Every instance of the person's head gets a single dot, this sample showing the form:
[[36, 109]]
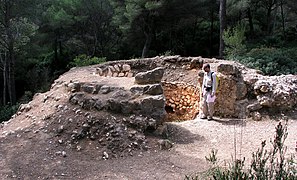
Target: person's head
[[206, 67]]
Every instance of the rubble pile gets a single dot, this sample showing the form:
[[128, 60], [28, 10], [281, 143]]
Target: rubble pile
[[113, 136]]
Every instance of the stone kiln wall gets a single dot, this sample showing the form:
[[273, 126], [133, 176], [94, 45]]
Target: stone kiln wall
[[182, 100], [231, 96]]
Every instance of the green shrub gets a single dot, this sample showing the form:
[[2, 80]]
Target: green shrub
[[7, 111], [271, 61], [84, 60], [265, 165], [167, 53], [234, 40]]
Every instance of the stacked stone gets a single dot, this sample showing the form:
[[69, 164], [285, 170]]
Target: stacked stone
[[149, 83], [182, 99], [117, 70], [144, 98]]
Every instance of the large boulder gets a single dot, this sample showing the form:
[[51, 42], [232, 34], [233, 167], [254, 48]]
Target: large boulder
[[226, 97], [277, 91], [150, 77], [228, 69], [153, 106]]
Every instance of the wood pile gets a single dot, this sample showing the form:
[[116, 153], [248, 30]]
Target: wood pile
[[182, 100]]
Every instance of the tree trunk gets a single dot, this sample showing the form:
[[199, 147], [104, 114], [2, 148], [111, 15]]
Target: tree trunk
[[11, 84], [56, 49], [268, 21], [11, 71], [283, 18], [4, 86], [4, 62], [147, 44], [251, 24], [10, 78], [268, 28], [212, 16], [222, 15], [60, 47], [95, 43]]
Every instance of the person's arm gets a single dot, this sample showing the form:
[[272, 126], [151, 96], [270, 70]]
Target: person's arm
[[214, 84]]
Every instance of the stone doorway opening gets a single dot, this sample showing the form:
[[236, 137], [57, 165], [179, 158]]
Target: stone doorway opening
[[182, 101]]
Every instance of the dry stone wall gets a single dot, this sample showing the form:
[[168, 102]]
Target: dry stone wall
[[144, 98], [182, 100], [116, 70], [242, 93]]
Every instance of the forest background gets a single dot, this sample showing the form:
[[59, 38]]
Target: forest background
[[40, 40]]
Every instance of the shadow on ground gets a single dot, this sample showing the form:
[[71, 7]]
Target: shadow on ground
[[228, 122], [181, 135]]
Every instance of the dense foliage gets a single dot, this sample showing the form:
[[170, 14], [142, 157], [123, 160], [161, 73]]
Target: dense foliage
[[42, 39], [271, 61], [7, 111], [84, 60]]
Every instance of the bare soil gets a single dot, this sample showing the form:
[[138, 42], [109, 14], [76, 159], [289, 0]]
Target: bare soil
[[29, 148]]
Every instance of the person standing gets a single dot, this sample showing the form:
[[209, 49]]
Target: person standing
[[208, 93]]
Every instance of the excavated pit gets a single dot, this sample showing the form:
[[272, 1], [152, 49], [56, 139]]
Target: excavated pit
[[182, 101]]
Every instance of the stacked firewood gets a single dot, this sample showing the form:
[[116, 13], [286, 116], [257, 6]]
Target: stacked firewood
[[182, 100]]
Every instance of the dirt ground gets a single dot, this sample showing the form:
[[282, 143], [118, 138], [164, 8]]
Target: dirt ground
[[33, 156], [28, 151]]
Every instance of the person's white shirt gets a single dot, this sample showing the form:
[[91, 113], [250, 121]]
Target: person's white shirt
[[208, 82]]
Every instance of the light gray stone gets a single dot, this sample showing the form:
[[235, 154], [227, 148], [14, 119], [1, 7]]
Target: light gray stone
[[139, 89], [265, 100], [76, 98], [241, 90], [262, 87], [88, 88], [104, 89], [165, 144], [228, 69], [100, 104], [150, 77], [154, 89], [73, 87], [241, 108], [256, 116], [154, 106], [254, 107]]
